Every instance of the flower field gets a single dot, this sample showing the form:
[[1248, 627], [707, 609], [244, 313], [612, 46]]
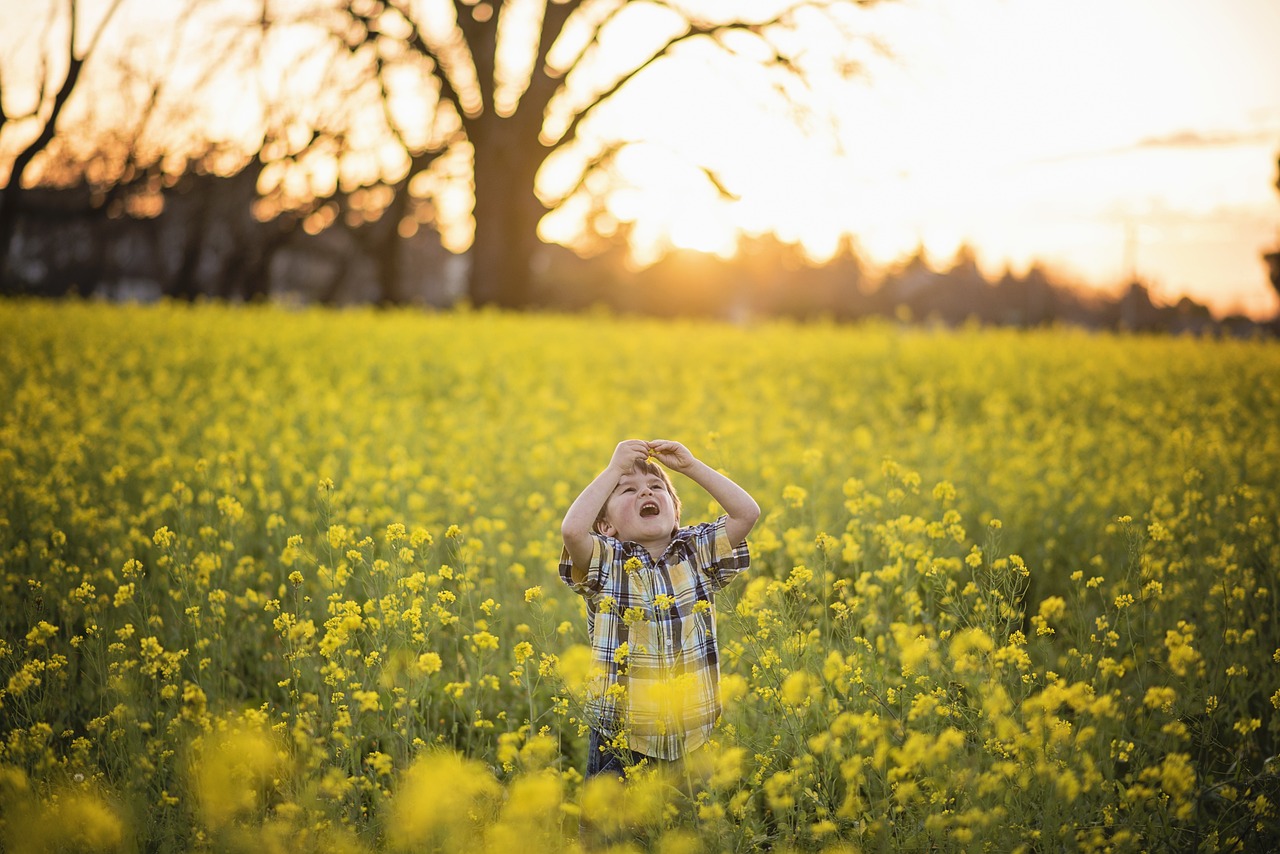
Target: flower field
[[279, 580]]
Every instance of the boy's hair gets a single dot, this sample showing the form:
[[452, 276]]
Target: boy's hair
[[657, 471]]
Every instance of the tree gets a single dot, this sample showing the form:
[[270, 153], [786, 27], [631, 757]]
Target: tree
[[1273, 258], [509, 82], [51, 99]]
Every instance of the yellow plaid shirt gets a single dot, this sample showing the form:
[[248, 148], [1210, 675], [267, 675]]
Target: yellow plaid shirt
[[652, 626]]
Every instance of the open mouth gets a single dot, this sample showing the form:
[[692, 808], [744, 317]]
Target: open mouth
[[649, 508]]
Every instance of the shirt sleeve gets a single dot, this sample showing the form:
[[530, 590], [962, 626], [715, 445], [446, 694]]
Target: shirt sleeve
[[602, 552], [719, 560]]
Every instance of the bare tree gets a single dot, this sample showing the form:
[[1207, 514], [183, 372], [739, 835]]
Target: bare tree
[[1273, 258], [508, 82], [50, 102]]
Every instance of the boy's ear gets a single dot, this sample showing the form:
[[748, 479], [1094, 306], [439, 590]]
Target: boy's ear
[[603, 527]]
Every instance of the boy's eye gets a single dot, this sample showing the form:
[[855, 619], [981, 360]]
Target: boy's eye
[[628, 489]]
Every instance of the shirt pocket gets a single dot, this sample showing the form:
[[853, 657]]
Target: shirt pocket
[[697, 638]]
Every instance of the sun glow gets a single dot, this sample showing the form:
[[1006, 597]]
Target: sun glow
[[1071, 134], [1077, 133]]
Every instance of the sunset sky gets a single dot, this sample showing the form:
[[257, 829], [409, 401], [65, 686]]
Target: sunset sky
[[1102, 138]]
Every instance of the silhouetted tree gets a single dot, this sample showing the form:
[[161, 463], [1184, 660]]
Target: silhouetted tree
[[1273, 258], [50, 102], [508, 83]]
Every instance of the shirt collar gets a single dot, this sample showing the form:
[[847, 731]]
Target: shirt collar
[[682, 535]]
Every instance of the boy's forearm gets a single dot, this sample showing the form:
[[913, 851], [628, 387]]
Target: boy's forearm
[[580, 518], [581, 515], [736, 501]]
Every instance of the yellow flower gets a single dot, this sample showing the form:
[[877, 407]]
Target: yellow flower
[[229, 507], [379, 763], [1244, 726], [1182, 655], [796, 688], [1053, 607], [795, 495], [367, 701], [438, 794], [25, 679], [41, 633], [338, 535], [234, 772], [1158, 697], [733, 687]]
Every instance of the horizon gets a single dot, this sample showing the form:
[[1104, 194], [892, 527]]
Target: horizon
[[1072, 136]]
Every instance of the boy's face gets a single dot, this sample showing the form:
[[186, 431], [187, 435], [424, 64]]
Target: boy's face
[[640, 509]]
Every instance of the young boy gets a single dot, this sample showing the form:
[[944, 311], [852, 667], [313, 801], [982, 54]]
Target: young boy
[[650, 590]]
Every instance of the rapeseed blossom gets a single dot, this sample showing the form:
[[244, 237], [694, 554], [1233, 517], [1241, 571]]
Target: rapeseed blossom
[[297, 604]]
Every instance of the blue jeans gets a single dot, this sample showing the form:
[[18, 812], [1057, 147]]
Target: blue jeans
[[610, 760]]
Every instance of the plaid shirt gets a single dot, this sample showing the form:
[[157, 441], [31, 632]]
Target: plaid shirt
[[653, 636]]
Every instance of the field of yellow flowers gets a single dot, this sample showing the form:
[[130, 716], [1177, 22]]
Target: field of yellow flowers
[[280, 580]]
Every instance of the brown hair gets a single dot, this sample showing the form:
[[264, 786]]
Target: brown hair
[[654, 470]]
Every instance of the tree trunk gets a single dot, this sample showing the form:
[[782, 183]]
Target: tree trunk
[[386, 247], [8, 226], [183, 285], [506, 214]]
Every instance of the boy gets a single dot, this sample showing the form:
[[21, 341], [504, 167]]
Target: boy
[[649, 587]]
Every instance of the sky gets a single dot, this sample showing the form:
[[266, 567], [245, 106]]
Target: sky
[[1104, 139]]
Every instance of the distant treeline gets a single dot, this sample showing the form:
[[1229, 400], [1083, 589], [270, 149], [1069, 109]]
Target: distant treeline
[[198, 237]]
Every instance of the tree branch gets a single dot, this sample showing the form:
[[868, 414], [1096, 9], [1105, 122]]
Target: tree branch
[[543, 82], [695, 29], [4, 117], [610, 151], [594, 41], [554, 18], [420, 159], [74, 65], [418, 42]]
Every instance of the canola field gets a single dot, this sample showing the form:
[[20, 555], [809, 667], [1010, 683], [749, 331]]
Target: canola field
[[277, 580]]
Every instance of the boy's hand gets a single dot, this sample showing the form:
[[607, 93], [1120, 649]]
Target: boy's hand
[[673, 455], [627, 454]]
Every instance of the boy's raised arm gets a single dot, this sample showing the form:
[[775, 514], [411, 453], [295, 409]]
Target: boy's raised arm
[[581, 515], [738, 505]]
